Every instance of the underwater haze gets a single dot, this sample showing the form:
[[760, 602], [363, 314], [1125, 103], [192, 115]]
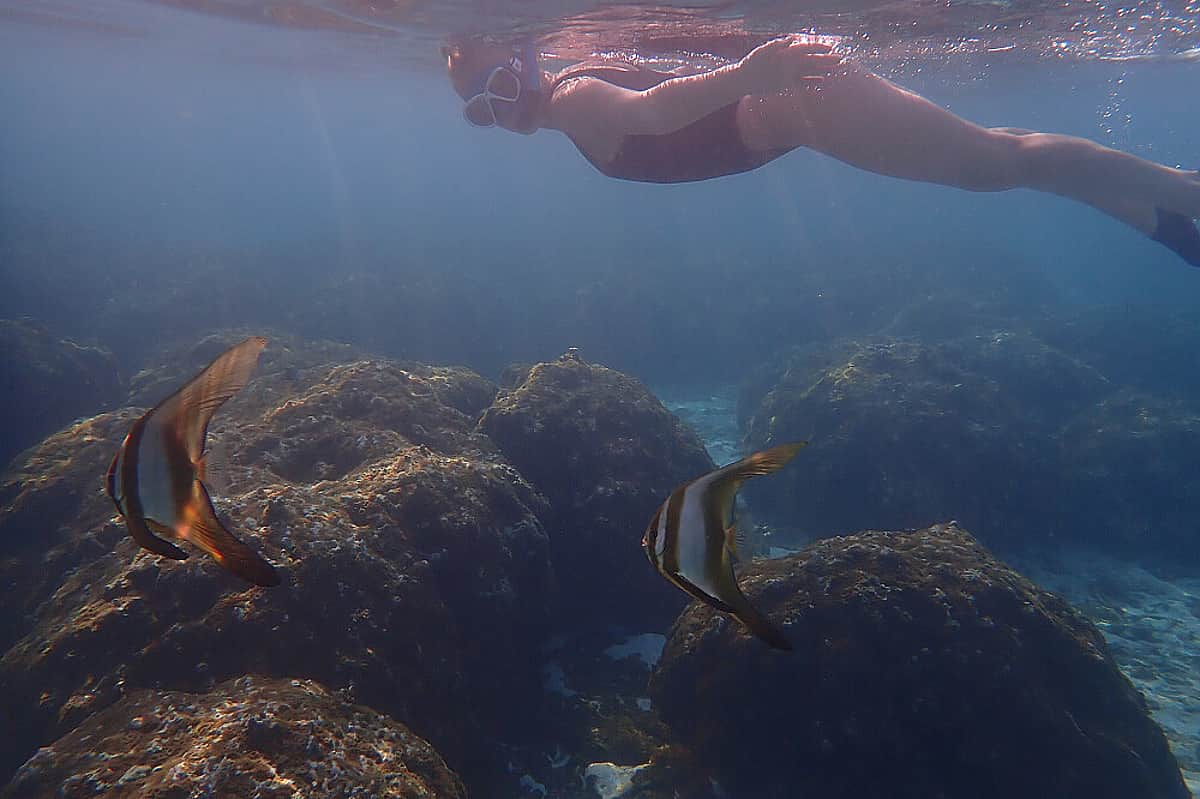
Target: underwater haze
[[145, 142], [488, 364]]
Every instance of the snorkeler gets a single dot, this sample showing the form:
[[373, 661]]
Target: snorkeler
[[634, 123], [156, 477]]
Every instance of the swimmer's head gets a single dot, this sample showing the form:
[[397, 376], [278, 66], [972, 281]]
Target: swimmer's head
[[501, 84]]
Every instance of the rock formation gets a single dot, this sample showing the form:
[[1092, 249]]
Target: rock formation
[[45, 382], [605, 453], [250, 737], [923, 667]]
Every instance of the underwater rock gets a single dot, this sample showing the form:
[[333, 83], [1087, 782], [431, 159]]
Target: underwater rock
[[513, 375], [923, 667], [55, 517], [46, 382], [1131, 477], [415, 563], [1139, 347], [250, 737], [605, 453], [365, 411], [902, 434], [175, 363]]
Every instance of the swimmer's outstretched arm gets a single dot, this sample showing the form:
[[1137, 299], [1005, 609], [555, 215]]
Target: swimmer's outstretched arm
[[589, 106]]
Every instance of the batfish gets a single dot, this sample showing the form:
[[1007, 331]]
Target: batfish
[[156, 479], [692, 539]]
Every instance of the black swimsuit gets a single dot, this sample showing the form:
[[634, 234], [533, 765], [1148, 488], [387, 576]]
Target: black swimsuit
[[710, 147]]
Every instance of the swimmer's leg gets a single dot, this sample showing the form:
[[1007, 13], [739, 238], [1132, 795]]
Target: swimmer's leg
[[869, 122]]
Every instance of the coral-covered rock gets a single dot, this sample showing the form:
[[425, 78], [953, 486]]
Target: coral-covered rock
[[364, 412], [1132, 481], [923, 668], [297, 362], [46, 382], [903, 434], [251, 737], [605, 452], [44, 499], [415, 563]]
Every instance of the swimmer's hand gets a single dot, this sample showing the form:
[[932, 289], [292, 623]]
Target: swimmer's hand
[[786, 63]]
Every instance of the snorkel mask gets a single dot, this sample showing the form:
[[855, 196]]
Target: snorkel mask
[[508, 95]]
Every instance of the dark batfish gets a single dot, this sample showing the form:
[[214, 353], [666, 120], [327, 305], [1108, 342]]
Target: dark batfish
[[692, 540], [156, 478]]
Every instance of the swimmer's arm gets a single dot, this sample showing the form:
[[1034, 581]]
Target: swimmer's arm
[[592, 104], [588, 104]]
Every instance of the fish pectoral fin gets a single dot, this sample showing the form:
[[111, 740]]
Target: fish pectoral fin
[[729, 479], [732, 539], [189, 410], [204, 530], [141, 529]]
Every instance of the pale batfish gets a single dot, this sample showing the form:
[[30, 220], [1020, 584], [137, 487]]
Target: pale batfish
[[156, 478], [692, 539]]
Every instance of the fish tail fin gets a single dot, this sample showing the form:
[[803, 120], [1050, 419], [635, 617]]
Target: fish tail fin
[[206, 532], [758, 624]]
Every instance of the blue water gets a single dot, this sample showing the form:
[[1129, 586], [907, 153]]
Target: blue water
[[318, 151], [170, 173]]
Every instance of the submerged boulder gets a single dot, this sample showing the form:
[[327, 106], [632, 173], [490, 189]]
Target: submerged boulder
[[415, 563], [605, 453], [46, 382], [292, 359], [1140, 347], [923, 667], [903, 434], [48, 499], [1132, 480], [295, 363], [252, 737]]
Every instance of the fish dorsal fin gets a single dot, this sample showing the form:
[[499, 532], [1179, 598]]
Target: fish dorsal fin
[[725, 482], [201, 527], [189, 409]]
